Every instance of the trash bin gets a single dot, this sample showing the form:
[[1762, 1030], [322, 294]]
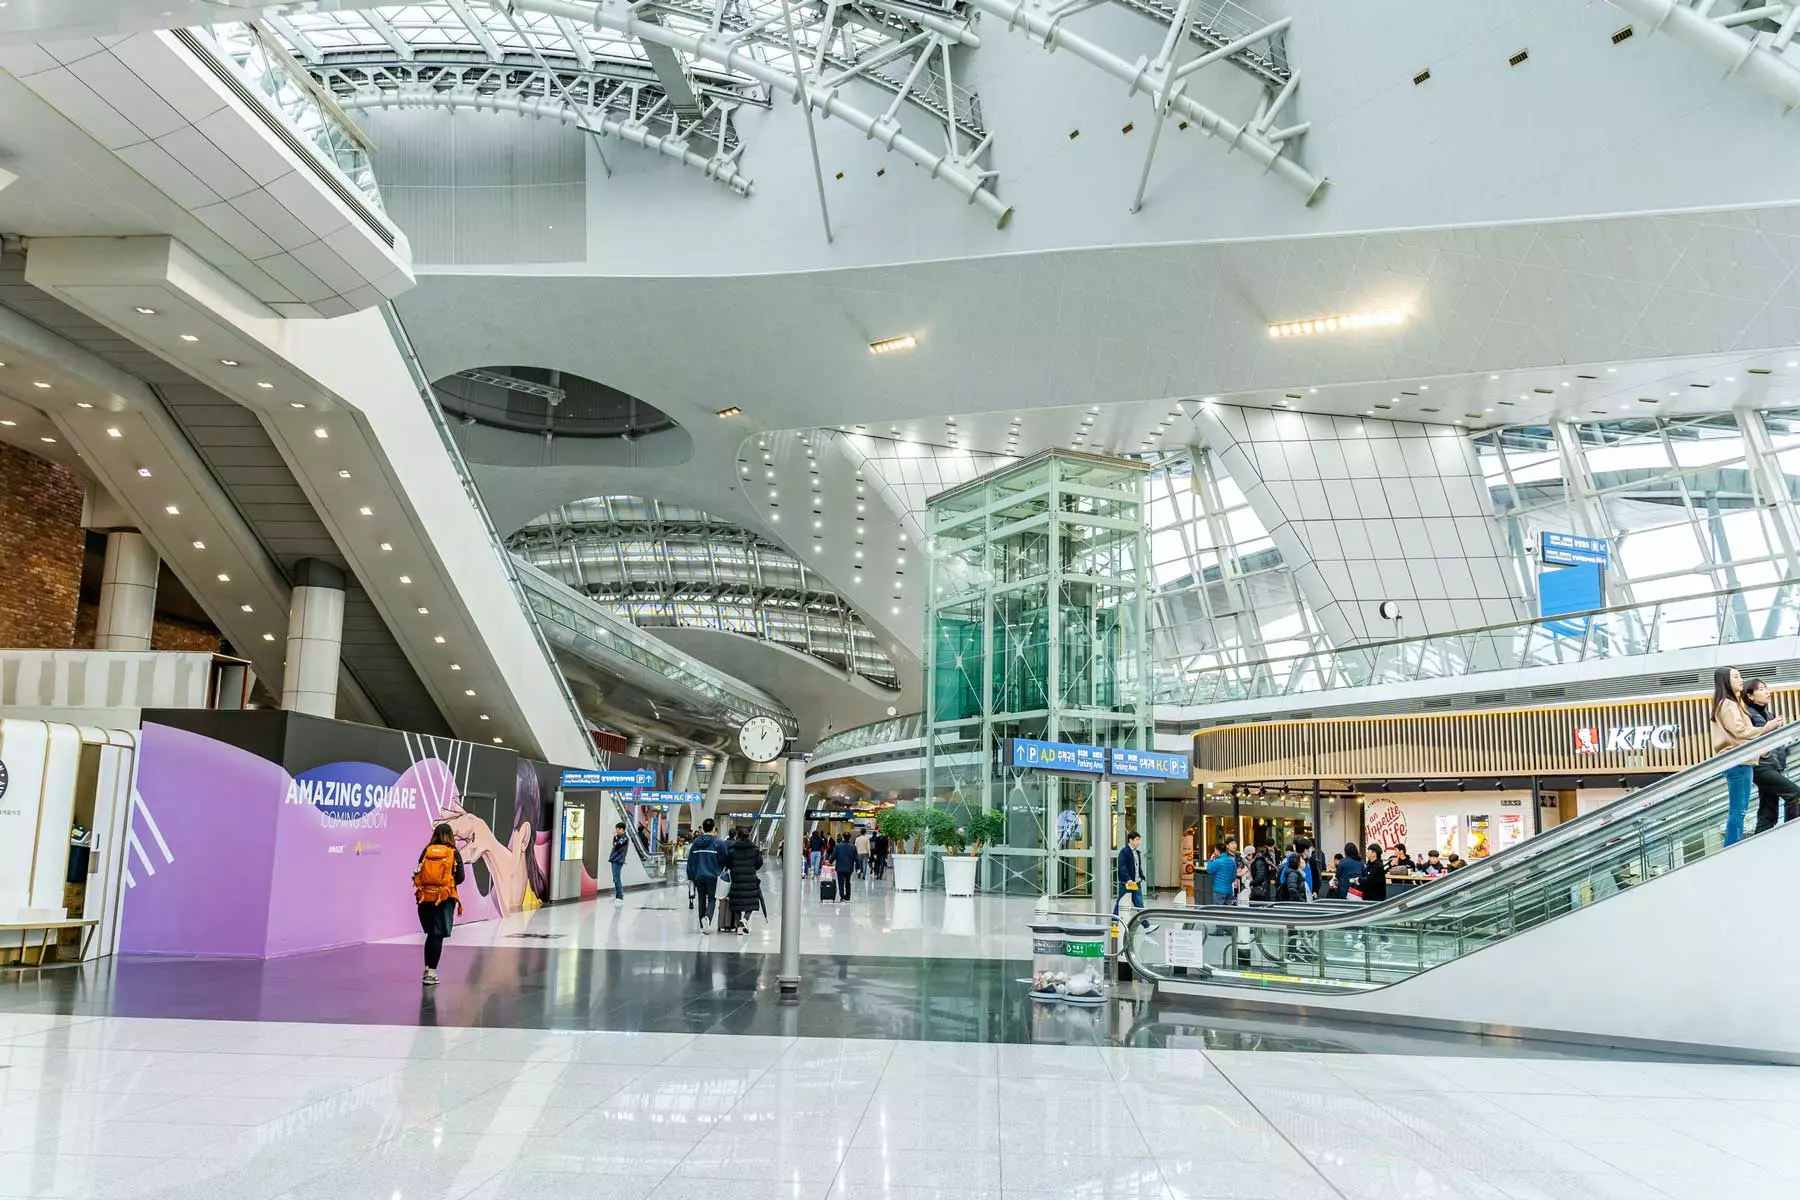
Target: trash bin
[[1068, 962]]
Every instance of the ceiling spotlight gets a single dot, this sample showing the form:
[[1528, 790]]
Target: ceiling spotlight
[[1369, 320], [295, 404], [423, 611], [246, 608], [321, 433], [228, 362], [148, 312], [268, 637], [48, 438], [406, 579], [265, 385], [366, 511], [188, 337], [82, 404], [143, 472], [172, 510], [224, 578], [199, 545], [499, 741], [343, 474], [890, 345], [38, 383], [456, 666], [387, 545], [439, 639], [468, 691], [113, 432], [9, 424], [730, 411]]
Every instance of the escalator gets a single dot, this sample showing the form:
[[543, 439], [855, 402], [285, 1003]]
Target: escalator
[[1532, 907]]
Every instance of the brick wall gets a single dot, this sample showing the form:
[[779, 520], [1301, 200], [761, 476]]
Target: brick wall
[[168, 633], [40, 551]]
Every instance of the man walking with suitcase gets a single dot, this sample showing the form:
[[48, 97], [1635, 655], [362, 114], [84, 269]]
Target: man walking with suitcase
[[705, 860]]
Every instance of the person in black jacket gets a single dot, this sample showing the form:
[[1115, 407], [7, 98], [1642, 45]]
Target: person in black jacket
[[705, 860], [1374, 880], [1263, 869], [843, 857], [1776, 795], [742, 861], [616, 859]]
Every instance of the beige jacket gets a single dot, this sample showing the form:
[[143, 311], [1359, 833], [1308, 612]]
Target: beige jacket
[[1730, 726]]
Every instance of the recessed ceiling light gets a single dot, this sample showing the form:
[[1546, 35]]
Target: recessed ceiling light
[[1492, 377], [484, 716], [143, 472], [1347, 321], [423, 611], [468, 691], [366, 511], [265, 385], [199, 545], [1612, 370], [729, 411], [48, 438], [82, 404], [188, 337], [406, 579], [499, 741], [343, 474], [148, 312], [387, 545], [890, 345], [224, 578], [268, 637], [38, 383], [172, 510], [295, 404], [439, 639], [9, 424], [228, 362], [246, 608], [113, 431], [456, 666], [321, 432]]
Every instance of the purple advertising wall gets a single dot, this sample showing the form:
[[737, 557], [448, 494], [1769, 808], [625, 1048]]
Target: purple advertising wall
[[240, 855]]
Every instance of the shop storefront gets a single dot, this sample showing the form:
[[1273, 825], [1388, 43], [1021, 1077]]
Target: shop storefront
[[1465, 783]]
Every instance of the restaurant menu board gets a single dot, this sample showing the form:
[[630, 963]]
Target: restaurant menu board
[[1512, 830], [1480, 844], [1447, 824]]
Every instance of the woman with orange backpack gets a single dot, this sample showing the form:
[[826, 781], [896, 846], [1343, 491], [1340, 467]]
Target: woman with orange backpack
[[434, 888]]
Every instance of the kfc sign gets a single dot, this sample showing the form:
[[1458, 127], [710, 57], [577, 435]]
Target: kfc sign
[[1626, 739]]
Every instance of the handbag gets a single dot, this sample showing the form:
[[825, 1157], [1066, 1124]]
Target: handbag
[[1353, 892]]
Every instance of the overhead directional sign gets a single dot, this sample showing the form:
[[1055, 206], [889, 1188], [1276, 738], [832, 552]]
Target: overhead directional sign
[[1057, 756], [573, 780], [1151, 764], [667, 798], [1569, 550]]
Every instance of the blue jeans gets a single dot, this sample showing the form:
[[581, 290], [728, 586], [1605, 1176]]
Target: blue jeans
[[1136, 894], [619, 879], [1737, 789]]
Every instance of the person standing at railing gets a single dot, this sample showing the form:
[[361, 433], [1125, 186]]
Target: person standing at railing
[[1731, 727], [1777, 796]]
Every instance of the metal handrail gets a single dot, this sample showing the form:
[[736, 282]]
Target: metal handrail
[[403, 342], [1512, 858]]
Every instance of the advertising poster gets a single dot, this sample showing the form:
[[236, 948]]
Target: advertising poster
[[1512, 830], [1384, 821], [1446, 834], [1480, 839]]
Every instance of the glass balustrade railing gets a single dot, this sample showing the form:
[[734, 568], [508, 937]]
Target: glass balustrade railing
[[285, 87], [1352, 947], [563, 606], [1745, 614], [907, 727]]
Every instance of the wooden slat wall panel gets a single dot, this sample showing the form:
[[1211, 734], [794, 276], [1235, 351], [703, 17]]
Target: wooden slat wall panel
[[1526, 741]]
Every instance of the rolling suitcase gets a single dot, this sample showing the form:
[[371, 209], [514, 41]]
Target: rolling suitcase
[[724, 911], [828, 889]]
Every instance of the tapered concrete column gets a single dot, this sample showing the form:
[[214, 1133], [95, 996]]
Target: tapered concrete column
[[683, 779], [715, 783], [127, 592], [634, 745], [309, 681]]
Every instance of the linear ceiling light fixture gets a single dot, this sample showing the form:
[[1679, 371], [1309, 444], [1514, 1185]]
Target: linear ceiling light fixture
[[890, 345], [731, 410], [1370, 320]]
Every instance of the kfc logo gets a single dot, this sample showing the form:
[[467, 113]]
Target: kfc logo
[[1626, 739]]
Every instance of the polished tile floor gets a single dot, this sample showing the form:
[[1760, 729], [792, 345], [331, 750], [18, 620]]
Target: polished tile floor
[[876, 922], [122, 1107]]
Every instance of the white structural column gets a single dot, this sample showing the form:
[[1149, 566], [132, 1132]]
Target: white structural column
[[127, 592], [309, 680], [634, 745], [1366, 511], [681, 779], [792, 854], [715, 784]]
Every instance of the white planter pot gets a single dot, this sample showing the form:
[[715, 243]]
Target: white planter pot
[[909, 872], [959, 874]]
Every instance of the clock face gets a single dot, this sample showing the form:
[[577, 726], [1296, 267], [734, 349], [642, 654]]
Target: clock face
[[761, 739]]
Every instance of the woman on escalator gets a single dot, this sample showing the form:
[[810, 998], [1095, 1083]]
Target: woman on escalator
[[1777, 796], [1732, 727]]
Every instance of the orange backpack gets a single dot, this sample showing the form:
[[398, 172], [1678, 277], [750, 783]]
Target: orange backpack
[[435, 880]]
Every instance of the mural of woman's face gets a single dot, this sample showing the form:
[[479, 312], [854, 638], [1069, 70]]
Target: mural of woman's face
[[504, 863]]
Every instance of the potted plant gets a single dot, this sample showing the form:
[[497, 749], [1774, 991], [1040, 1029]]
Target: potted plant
[[962, 845], [904, 827]]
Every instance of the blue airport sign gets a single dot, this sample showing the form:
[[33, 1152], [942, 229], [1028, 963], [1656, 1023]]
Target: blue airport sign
[[667, 798], [573, 780], [1151, 764], [1057, 756], [1569, 550]]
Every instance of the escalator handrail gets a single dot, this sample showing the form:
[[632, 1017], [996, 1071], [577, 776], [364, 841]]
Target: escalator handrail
[[1512, 858]]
